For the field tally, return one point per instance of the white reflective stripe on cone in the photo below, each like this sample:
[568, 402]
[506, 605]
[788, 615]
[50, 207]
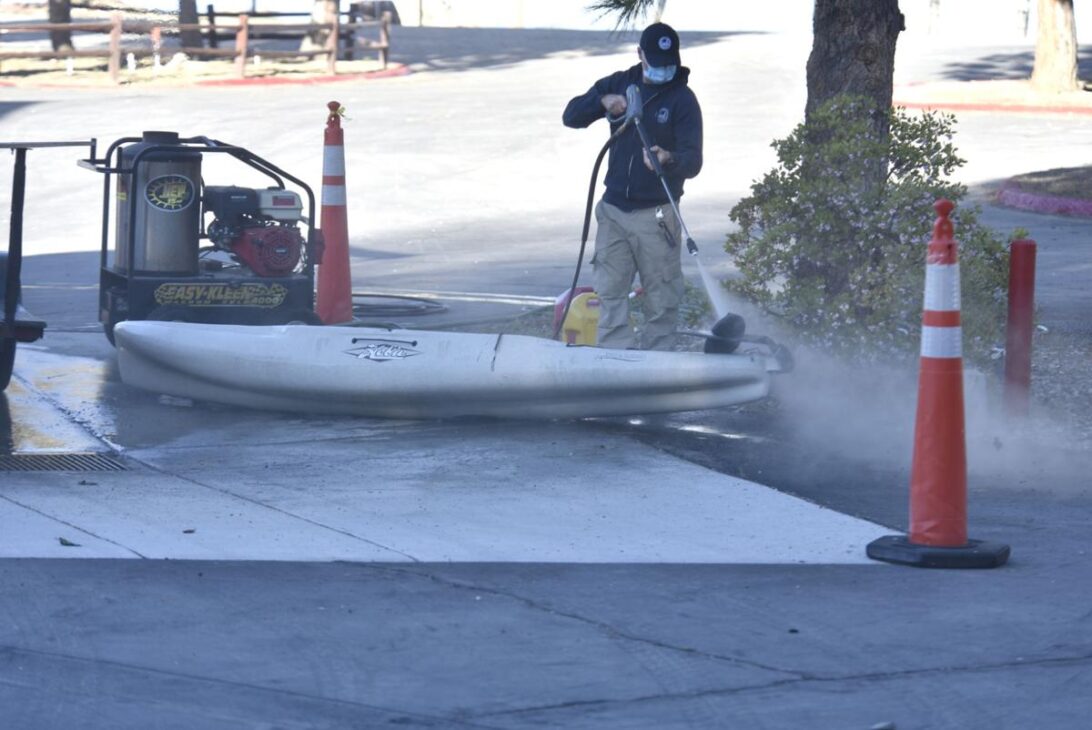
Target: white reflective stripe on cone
[941, 341]
[333, 195]
[942, 287]
[333, 160]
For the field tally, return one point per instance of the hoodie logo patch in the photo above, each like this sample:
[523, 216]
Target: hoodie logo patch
[663, 115]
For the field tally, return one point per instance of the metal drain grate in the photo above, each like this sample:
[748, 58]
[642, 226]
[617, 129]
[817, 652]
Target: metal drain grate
[61, 462]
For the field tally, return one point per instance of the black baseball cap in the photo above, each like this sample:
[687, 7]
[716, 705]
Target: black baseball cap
[660, 44]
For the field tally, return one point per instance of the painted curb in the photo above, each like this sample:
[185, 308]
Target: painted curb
[1012, 196]
[390, 72]
[973, 107]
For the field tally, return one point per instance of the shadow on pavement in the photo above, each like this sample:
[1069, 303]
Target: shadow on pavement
[461, 49]
[373, 254]
[7, 107]
[62, 288]
[1008, 65]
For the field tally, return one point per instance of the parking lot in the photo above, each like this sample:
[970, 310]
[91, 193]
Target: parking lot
[249, 569]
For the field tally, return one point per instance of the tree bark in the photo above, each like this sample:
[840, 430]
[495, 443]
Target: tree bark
[187, 14]
[853, 52]
[60, 11]
[1056, 47]
[323, 11]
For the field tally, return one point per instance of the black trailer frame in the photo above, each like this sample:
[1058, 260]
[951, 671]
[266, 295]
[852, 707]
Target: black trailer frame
[133, 294]
[16, 323]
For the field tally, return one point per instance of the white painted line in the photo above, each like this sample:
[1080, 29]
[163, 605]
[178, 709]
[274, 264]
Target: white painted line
[465, 297]
[65, 286]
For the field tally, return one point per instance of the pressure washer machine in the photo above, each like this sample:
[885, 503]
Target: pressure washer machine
[257, 267]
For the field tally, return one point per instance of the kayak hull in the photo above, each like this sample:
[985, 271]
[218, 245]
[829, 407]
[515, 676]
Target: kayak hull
[425, 374]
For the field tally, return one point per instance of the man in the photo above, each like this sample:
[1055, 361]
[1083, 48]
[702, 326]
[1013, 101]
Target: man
[637, 231]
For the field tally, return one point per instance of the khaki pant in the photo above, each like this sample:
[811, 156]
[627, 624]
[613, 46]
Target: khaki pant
[627, 243]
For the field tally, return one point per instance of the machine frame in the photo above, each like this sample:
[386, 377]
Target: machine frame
[16, 323]
[132, 294]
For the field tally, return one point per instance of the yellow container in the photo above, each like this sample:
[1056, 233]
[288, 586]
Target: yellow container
[582, 324]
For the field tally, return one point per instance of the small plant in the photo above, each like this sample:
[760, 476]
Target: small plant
[833, 239]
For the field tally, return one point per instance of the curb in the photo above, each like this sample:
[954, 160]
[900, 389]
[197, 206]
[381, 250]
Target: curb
[392, 71]
[1013, 196]
[973, 107]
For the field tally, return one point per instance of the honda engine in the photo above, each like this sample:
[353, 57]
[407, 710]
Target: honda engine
[257, 227]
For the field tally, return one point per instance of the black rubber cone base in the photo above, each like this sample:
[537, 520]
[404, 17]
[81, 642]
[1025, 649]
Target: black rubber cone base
[975, 554]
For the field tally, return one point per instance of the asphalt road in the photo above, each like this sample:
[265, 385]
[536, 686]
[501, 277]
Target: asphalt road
[350, 573]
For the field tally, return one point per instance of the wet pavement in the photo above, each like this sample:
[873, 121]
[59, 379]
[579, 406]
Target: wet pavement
[262, 570]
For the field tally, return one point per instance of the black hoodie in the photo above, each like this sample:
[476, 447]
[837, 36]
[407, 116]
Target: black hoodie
[671, 118]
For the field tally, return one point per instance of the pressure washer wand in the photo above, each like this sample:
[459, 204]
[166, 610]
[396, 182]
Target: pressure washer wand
[633, 113]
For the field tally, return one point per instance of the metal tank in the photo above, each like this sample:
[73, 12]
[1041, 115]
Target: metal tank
[159, 201]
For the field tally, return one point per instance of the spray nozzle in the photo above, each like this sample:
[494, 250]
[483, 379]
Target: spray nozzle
[633, 102]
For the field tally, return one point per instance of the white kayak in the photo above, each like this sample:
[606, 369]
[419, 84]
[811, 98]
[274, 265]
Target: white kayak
[426, 374]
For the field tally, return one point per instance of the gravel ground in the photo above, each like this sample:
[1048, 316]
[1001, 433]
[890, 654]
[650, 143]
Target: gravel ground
[1062, 384]
[1061, 377]
[1066, 182]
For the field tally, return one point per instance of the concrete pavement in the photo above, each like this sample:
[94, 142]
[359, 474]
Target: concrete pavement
[245, 486]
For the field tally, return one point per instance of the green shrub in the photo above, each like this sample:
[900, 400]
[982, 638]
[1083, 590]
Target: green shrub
[833, 239]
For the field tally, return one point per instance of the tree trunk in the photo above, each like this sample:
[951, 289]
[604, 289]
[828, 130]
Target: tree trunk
[323, 11]
[1056, 47]
[187, 14]
[60, 11]
[853, 52]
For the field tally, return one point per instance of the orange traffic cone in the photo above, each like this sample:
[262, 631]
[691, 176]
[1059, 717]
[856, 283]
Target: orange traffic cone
[334, 303]
[938, 476]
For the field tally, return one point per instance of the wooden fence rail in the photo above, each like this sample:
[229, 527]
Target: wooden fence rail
[349, 43]
[243, 33]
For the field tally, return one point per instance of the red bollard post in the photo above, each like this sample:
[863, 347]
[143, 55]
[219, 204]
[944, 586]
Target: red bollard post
[1019, 329]
[334, 301]
[938, 477]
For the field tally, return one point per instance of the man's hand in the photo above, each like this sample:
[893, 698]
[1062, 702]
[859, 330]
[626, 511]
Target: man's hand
[615, 104]
[662, 155]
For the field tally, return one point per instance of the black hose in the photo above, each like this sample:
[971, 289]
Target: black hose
[587, 226]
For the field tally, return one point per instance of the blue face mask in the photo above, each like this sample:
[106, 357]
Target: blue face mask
[660, 74]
